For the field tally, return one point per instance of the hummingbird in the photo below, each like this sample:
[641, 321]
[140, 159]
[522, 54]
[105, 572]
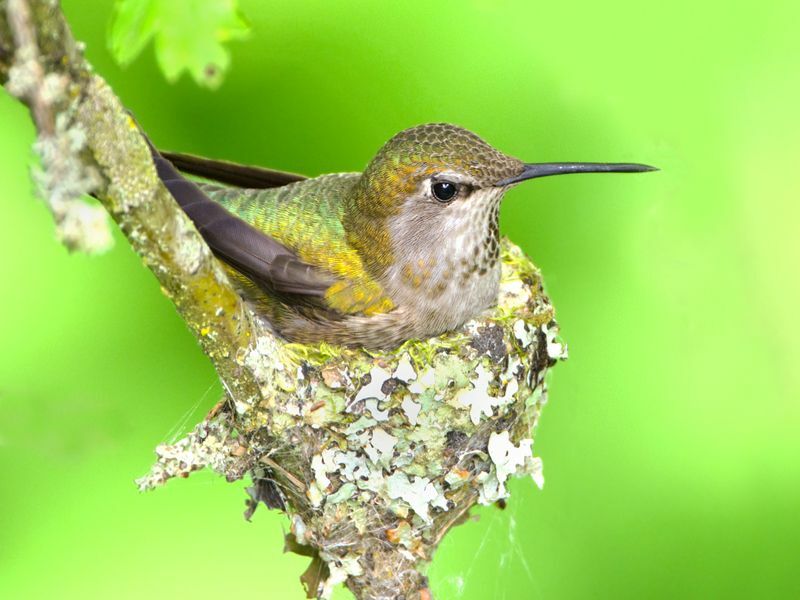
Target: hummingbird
[408, 248]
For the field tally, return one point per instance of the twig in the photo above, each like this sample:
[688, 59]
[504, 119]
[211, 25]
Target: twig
[301, 487]
[27, 57]
[36, 51]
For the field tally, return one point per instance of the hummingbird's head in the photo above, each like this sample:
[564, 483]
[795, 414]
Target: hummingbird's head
[436, 164]
[428, 203]
[441, 165]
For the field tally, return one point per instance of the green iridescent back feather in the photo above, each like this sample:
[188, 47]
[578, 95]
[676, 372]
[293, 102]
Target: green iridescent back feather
[307, 217]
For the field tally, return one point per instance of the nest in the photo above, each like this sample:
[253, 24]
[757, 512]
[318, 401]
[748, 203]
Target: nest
[374, 456]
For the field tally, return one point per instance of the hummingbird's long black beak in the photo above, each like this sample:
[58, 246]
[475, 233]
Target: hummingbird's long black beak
[533, 170]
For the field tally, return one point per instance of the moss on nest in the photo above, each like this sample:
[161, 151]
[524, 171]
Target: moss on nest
[375, 455]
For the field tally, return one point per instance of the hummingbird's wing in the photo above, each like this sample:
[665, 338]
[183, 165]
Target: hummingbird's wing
[244, 176]
[307, 217]
[283, 232]
[259, 256]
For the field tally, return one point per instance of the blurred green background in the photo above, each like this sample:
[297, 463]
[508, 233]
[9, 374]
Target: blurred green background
[671, 442]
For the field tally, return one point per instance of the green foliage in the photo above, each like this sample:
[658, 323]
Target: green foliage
[189, 35]
[670, 440]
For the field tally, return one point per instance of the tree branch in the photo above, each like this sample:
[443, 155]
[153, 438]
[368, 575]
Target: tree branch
[87, 140]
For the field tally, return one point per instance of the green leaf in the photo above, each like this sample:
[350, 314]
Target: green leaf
[189, 35]
[132, 26]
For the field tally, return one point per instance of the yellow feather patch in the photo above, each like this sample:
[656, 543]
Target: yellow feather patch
[358, 296]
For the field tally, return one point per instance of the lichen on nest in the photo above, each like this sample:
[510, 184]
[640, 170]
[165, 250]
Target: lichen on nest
[375, 455]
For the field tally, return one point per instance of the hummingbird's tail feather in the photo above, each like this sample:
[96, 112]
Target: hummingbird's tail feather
[260, 257]
[245, 176]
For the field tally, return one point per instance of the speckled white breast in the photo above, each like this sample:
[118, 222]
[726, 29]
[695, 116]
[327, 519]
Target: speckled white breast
[447, 266]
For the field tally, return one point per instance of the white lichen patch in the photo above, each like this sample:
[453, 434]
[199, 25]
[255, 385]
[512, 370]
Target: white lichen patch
[456, 477]
[299, 529]
[524, 334]
[373, 408]
[555, 349]
[478, 399]
[260, 359]
[506, 456]
[425, 381]
[341, 567]
[381, 447]
[345, 492]
[514, 291]
[420, 494]
[508, 459]
[404, 371]
[364, 422]
[83, 226]
[373, 390]
[191, 249]
[536, 469]
[321, 465]
[411, 409]
[63, 181]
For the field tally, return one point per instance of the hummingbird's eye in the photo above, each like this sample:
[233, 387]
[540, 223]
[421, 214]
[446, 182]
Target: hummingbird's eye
[444, 191]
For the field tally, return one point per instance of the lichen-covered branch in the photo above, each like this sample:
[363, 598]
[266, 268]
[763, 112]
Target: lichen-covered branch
[88, 142]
